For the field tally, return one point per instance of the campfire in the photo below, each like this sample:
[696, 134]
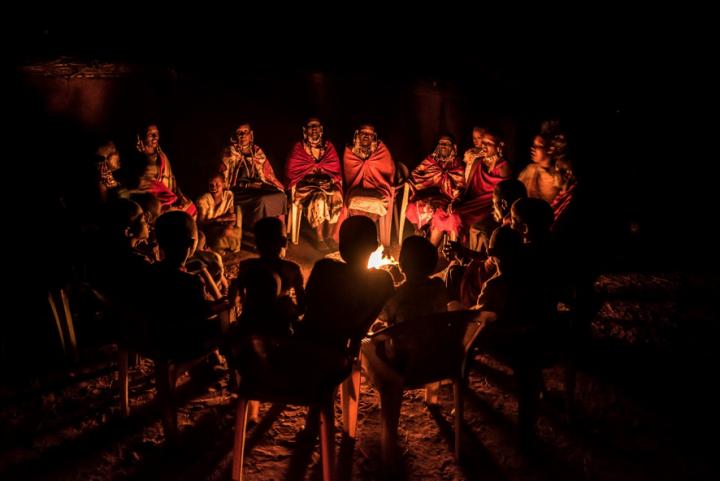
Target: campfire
[379, 259]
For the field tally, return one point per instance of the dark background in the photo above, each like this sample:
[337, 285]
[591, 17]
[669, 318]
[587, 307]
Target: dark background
[636, 98]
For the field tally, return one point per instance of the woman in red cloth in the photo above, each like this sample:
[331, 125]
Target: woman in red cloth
[313, 169]
[157, 177]
[369, 171]
[437, 184]
[476, 206]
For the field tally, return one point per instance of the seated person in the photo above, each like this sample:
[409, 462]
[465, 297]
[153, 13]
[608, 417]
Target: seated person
[271, 243]
[156, 174]
[418, 296]
[216, 217]
[436, 185]
[264, 309]
[540, 176]
[465, 280]
[575, 239]
[119, 271]
[183, 323]
[108, 165]
[369, 171]
[344, 298]
[476, 206]
[533, 219]
[150, 204]
[474, 153]
[563, 202]
[151, 207]
[250, 176]
[515, 332]
[208, 263]
[313, 169]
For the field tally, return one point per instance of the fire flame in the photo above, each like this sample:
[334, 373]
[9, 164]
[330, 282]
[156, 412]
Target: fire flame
[378, 259]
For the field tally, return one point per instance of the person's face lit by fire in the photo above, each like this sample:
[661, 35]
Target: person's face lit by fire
[445, 147]
[366, 136]
[111, 155]
[152, 138]
[477, 137]
[313, 131]
[498, 208]
[244, 135]
[489, 146]
[216, 185]
[538, 152]
[113, 161]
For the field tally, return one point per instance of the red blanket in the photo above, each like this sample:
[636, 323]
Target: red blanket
[448, 178]
[477, 203]
[375, 173]
[301, 164]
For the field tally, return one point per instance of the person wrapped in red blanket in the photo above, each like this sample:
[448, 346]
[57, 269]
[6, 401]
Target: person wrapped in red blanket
[369, 170]
[313, 170]
[476, 206]
[437, 184]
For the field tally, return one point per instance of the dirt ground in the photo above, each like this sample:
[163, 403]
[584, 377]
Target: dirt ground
[644, 410]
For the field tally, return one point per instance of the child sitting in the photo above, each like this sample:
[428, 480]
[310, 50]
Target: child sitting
[254, 279]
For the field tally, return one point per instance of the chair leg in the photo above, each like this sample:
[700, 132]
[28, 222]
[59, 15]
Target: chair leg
[459, 407]
[390, 402]
[327, 446]
[296, 223]
[396, 220]
[403, 212]
[58, 322]
[166, 387]
[388, 225]
[239, 225]
[350, 395]
[432, 393]
[254, 411]
[69, 324]
[239, 448]
[123, 375]
[289, 224]
[293, 225]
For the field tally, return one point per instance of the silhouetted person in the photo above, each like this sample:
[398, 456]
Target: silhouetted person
[313, 169]
[385, 360]
[267, 307]
[344, 298]
[420, 294]
[466, 279]
[181, 325]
